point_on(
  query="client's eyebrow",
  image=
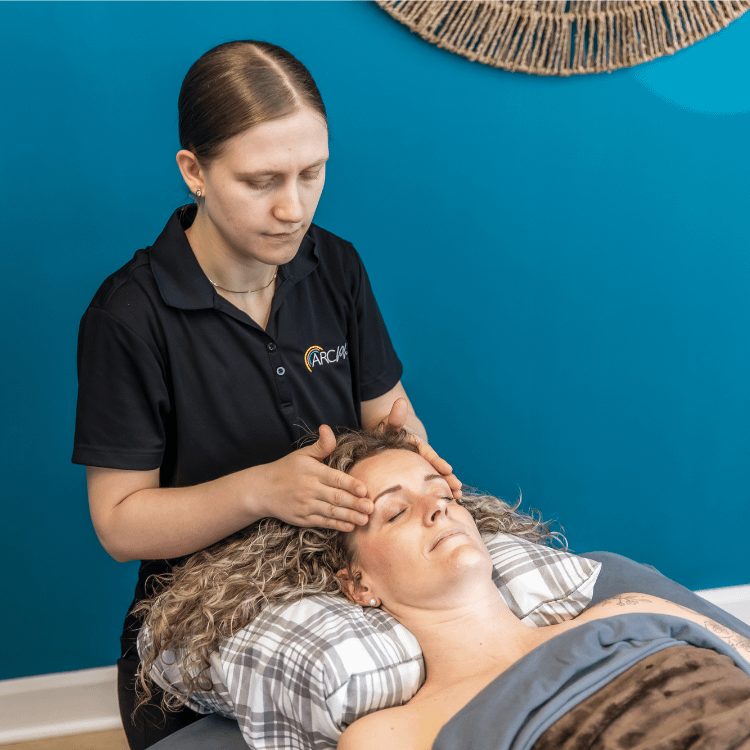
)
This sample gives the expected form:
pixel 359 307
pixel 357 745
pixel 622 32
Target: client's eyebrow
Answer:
pixel 397 487
pixel 271 173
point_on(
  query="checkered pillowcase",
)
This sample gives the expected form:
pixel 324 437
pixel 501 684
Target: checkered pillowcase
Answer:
pixel 300 673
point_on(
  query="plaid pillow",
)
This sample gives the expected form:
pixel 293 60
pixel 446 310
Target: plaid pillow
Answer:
pixel 301 672
pixel 541 585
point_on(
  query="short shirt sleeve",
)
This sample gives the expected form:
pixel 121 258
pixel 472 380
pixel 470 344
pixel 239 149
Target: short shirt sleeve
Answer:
pixel 123 399
pixel 379 366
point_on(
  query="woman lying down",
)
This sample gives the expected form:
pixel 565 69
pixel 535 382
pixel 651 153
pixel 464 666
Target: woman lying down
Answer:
pixel 635 671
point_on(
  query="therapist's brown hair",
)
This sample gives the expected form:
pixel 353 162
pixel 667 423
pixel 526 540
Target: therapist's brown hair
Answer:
pixel 236 85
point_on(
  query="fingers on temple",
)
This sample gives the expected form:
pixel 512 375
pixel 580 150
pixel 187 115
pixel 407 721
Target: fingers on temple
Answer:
pixel 453 481
pixel 341 481
pixel 430 454
pixel 455 484
pixel 331 523
pixel 343 505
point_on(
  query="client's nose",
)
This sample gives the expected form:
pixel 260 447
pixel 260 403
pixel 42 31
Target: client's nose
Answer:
pixel 436 507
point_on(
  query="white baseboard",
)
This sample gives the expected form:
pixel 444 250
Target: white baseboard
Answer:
pixel 54 705
pixel 734 599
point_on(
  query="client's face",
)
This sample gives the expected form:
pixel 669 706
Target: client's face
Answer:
pixel 419 543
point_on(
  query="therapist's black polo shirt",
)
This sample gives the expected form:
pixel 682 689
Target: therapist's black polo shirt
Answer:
pixel 172 375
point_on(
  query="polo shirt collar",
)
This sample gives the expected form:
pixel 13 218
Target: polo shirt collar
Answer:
pixel 179 277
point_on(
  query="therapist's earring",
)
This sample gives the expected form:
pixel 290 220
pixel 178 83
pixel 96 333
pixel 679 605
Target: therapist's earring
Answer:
pixel 198 192
pixel 373 602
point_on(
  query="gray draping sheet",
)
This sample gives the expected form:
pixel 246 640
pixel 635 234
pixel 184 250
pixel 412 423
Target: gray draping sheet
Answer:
pixel 618 575
pixel 512 712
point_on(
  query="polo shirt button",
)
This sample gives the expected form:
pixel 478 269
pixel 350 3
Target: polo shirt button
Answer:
pixel 280 370
pixel 271 347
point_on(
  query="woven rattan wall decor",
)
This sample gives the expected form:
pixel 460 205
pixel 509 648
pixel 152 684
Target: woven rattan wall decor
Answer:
pixel 564 37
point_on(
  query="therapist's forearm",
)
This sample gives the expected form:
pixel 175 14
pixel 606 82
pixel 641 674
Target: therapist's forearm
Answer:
pixel 168 522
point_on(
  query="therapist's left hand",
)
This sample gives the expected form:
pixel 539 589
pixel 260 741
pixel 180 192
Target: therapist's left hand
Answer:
pixel 397 420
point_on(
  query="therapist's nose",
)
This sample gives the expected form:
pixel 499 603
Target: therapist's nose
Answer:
pixel 288 207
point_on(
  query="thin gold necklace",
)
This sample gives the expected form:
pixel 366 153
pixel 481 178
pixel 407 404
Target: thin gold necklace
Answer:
pixel 247 291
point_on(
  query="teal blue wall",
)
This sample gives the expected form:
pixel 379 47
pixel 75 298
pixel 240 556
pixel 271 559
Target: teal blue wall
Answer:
pixel 563 264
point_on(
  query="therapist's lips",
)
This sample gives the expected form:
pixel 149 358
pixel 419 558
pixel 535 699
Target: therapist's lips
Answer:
pixel 286 235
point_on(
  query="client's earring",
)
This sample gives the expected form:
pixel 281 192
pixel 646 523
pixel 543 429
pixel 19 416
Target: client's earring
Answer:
pixel 198 192
pixel 373 602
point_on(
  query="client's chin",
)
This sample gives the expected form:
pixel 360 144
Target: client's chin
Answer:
pixel 461 552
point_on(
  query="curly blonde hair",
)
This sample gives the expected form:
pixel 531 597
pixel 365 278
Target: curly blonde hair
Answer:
pixel 220 589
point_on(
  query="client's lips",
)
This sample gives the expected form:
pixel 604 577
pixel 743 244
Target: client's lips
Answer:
pixel 444 535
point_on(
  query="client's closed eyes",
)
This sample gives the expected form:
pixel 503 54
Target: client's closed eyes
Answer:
pixel 393 518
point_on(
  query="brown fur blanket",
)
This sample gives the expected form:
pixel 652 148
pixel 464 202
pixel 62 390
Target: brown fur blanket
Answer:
pixel 678 698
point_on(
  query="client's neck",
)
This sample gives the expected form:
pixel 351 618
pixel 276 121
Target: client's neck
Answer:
pixel 477 634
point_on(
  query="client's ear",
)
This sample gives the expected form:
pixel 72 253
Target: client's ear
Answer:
pixel 353 590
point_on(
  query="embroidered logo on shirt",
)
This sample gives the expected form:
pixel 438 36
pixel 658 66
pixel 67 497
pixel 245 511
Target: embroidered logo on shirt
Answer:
pixel 316 356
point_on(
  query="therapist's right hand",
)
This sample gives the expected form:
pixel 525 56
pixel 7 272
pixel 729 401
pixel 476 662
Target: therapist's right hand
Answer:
pixel 302 491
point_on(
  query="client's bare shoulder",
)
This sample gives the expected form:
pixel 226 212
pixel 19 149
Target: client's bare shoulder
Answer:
pixel 388 727
pixel 634 601
pixel 648 603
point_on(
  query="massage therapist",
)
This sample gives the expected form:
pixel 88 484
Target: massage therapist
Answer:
pixel 205 359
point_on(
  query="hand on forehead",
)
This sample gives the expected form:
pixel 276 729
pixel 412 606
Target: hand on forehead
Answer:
pixel 395 470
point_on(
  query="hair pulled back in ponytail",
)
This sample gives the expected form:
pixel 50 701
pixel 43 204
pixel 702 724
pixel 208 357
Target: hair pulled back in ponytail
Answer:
pixel 237 85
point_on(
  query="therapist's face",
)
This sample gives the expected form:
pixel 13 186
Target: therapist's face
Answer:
pixel 246 206
pixel 396 552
